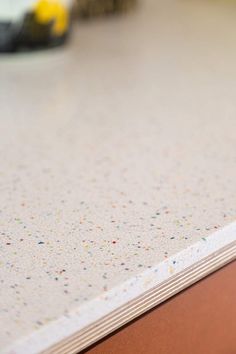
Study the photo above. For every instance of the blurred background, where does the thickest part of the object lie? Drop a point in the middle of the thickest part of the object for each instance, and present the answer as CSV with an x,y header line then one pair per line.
x,y
39,23
123,59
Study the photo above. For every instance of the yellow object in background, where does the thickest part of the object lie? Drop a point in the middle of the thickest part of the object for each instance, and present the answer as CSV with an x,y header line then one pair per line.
x,y
52,10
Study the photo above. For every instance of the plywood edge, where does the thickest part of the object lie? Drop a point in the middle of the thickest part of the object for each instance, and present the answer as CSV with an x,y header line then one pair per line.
x,y
145,302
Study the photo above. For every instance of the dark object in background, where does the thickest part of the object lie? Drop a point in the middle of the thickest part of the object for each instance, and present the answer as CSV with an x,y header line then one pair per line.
x,y
30,34
8,36
36,34
91,8
38,23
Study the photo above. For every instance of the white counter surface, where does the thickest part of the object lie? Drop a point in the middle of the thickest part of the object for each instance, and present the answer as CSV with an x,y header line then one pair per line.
x,y
117,153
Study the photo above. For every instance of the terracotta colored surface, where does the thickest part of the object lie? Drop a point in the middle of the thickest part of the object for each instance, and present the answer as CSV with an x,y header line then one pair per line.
x,y
200,320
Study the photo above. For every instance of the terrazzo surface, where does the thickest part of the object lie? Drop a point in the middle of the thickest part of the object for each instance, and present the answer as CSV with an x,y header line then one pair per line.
x,y
117,152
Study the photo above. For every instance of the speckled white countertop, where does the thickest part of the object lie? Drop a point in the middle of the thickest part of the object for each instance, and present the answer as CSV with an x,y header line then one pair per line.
x,y
117,153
